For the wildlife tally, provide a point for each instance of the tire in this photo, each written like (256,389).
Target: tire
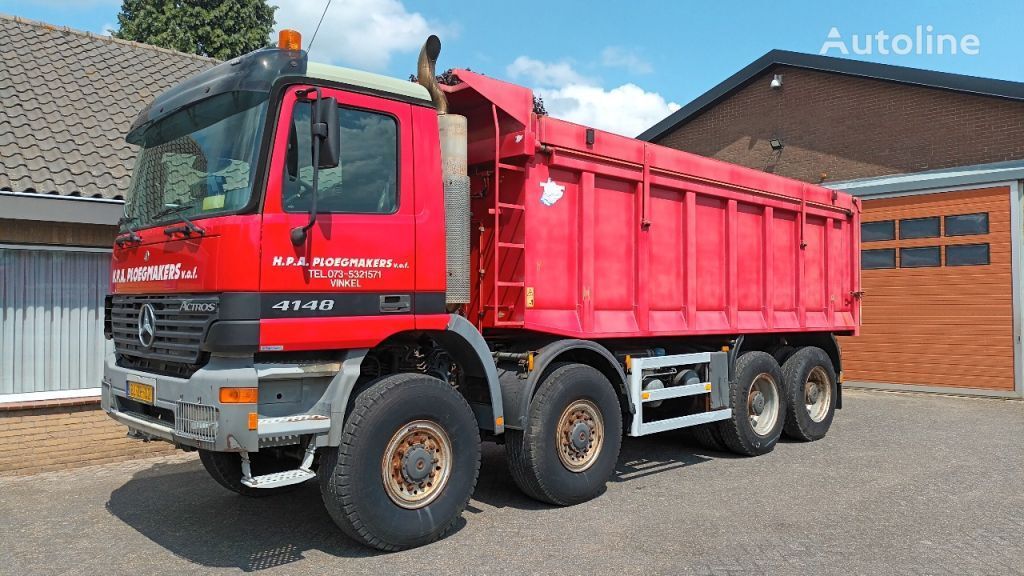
(809,368)
(782,353)
(377,504)
(226,469)
(739,433)
(708,436)
(560,474)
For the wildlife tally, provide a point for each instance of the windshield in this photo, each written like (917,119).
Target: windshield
(198,162)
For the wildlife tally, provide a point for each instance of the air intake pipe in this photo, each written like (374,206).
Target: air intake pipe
(455,176)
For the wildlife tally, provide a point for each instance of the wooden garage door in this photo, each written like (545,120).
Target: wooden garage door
(937,310)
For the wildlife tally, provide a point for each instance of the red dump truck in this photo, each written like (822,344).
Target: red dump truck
(328,274)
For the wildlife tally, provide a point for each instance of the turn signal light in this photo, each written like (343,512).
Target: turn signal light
(289,40)
(238,395)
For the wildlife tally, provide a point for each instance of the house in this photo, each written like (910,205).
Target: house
(938,160)
(68,98)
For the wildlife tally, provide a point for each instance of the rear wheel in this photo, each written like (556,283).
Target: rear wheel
(226,469)
(811,388)
(709,437)
(782,353)
(572,438)
(407,464)
(758,405)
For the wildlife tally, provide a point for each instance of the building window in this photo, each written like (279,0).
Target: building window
(919,228)
(967,255)
(876,259)
(53,324)
(919,257)
(878,231)
(967,224)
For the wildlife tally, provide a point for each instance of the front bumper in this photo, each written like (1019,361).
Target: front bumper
(186,412)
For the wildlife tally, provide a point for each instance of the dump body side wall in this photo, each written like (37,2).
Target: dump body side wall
(622,238)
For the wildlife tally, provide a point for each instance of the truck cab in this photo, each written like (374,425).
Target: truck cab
(205,270)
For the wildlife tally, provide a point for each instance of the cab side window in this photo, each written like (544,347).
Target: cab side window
(366,179)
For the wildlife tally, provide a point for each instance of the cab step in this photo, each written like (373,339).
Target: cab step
(283,478)
(293,425)
(279,479)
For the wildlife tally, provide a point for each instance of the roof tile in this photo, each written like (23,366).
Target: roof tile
(69,98)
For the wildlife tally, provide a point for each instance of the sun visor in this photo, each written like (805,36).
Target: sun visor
(253,72)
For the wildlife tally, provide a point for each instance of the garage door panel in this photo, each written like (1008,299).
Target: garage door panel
(944,350)
(1000,384)
(934,326)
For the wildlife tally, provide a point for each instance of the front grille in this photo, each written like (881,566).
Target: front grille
(177,338)
(196,421)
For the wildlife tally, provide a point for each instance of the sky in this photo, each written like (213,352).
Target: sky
(623,66)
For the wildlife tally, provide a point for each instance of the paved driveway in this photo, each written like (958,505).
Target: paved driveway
(903,484)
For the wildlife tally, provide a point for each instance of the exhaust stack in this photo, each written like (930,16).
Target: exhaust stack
(426,73)
(453,130)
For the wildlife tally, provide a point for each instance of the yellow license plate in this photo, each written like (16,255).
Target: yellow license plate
(141,392)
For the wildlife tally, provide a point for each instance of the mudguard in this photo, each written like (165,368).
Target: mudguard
(518,392)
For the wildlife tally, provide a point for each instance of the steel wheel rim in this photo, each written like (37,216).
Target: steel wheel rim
(579,435)
(817,394)
(763,404)
(417,464)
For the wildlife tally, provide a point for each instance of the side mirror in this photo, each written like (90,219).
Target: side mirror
(326,153)
(327,132)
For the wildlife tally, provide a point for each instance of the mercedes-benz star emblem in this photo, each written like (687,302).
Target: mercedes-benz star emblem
(147,325)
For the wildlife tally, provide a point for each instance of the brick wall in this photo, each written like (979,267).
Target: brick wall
(837,127)
(63,434)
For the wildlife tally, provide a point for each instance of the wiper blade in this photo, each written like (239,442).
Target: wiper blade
(187,229)
(170,210)
(132,236)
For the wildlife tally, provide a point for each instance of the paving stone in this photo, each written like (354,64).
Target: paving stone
(903,484)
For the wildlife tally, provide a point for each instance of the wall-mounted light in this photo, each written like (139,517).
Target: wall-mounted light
(776,82)
(776,144)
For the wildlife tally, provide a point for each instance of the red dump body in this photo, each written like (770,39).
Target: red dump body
(588,234)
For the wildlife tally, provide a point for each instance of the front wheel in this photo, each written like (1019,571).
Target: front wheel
(407,464)
(572,437)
